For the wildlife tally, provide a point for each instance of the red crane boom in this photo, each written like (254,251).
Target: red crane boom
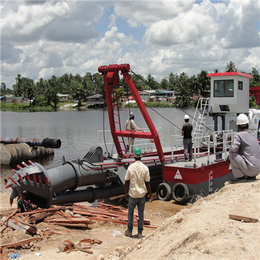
(111,78)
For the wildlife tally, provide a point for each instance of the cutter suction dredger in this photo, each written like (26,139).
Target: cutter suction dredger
(85,179)
(94,176)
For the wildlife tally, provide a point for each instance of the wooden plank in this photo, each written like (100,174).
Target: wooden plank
(39,216)
(94,213)
(22,226)
(54,208)
(71,225)
(70,221)
(242,218)
(11,215)
(19,243)
(118,221)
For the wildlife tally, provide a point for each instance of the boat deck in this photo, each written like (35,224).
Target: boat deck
(196,162)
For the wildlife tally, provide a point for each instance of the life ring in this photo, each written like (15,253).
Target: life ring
(164,192)
(180,193)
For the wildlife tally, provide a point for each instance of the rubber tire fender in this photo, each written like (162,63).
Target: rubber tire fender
(180,193)
(164,192)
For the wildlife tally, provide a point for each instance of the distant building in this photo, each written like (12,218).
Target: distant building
(12,99)
(157,95)
(63,97)
(3,99)
(95,100)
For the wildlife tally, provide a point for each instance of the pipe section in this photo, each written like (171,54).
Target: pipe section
(45,142)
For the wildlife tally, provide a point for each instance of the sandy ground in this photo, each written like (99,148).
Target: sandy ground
(200,231)
(156,211)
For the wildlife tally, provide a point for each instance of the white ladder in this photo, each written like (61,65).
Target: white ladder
(199,118)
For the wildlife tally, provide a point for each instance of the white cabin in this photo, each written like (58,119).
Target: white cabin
(229,92)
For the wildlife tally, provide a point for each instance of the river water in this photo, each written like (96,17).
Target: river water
(77,130)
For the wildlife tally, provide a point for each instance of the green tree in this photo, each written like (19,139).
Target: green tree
(152,82)
(252,102)
(88,84)
(41,87)
(4,90)
(255,81)
(230,67)
(18,87)
(172,81)
(182,87)
(29,89)
(164,83)
(79,94)
(40,101)
(120,92)
(65,83)
(24,87)
(99,83)
(52,91)
(203,82)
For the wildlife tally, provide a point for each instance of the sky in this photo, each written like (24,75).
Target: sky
(40,39)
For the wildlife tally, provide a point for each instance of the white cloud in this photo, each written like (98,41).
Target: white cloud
(148,12)
(25,24)
(239,28)
(45,38)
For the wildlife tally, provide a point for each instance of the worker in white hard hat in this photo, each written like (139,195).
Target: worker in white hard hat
(244,153)
(187,138)
(131,126)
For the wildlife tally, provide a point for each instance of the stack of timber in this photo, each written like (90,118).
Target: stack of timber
(76,216)
(107,213)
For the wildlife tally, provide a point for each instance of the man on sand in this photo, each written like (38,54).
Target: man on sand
(244,153)
(137,184)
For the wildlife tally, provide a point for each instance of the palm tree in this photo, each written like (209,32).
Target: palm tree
(203,81)
(230,67)
(182,87)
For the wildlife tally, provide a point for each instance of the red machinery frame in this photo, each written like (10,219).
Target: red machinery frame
(111,78)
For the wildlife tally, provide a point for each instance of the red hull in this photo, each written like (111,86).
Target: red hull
(194,176)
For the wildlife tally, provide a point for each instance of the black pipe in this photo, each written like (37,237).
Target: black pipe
(45,142)
(90,194)
(51,143)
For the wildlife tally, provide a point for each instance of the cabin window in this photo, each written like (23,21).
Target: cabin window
(224,88)
(240,85)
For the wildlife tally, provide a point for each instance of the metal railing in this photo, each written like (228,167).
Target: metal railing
(216,143)
(104,138)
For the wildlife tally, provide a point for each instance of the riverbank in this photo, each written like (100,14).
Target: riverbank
(66,106)
(200,231)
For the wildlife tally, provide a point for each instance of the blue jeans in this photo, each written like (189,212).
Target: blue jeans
(132,202)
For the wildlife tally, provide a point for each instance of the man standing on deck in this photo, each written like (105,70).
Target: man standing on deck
(244,153)
(137,184)
(187,138)
(131,126)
